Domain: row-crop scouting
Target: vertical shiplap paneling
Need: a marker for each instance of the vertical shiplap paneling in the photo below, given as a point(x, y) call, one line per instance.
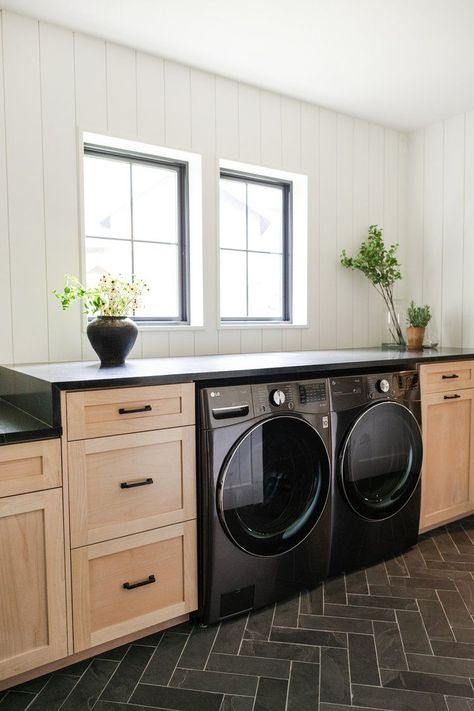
point(376, 216)
point(6, 345)
point(150, 99)
point(181, 343)
point(60, 185)
point(156, 344)
point(90, 83)
point(227, 118)
point(177, 106)
point(453, 225)
point(328, 257)
point(413, 267)
point(291, 133)
point(271, 340)
point(270, 129)
point(468, 250)
point(249, 124)
point(251, 340)
point(25, 181)
point(310, 167)
point(360, 217)
point(390, 211)
point(229, 341)
point(344, 168)
point(121, 90)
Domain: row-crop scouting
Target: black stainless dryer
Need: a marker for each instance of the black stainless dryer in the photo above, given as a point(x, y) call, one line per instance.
point(264, 486)
point(377, 454)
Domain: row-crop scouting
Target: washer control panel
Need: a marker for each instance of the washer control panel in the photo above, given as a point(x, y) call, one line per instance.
point(309, 396)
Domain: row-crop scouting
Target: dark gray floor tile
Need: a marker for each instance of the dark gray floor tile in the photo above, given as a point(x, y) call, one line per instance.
point(466, 590)
point(341, 707)
point(432, 683)
point(428, 548)
point(259, 624)
point(435, 620)
point(450, 566)
point(229, 636)
point(183, 628)
point(117, 706)
point(377, 574)
point(356, 582)
point(460, 650)
point(127, 674)
point(312, 601)
point(304, 636)
point(164, 659)
point(413, 632)
point(286, 612)
point(252, 665)
point(461, 634)
point(179, 699)
point(335, 624)
point(281, 650)
point(199, 646)
point(414, 561)
point(90, 686)
point(34, 686)
point(440, 665)
point(54, 693)
point(116, 654)
point(458, 704)
point(237, 703)
point(396, 566)
point(386, 602)
point(303, 688)
point(389, 646)
point(460, 538)
point(360, 612)
point(76, 669)
point(335, 591)
point(396, 699)
point(335, 686)
point(271, 695)
point(460, 557)
point(423, 581)
point(151, 640)
point(403, 591)
point(443, 540)
point(222, 682)
point(455, 609)
point(363, 660)
point(16, 701)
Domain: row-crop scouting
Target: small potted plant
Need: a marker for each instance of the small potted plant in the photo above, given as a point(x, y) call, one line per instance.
point(111, 333)
point(418, 317)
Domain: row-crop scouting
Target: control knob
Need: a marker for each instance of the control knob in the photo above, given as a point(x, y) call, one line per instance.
point(277, 397)
point(383, 386)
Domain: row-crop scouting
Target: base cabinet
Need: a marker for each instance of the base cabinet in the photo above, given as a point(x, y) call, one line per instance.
point(33, 600)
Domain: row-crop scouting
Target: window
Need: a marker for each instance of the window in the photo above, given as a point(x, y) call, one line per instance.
point(255, 247)
point(136, 222)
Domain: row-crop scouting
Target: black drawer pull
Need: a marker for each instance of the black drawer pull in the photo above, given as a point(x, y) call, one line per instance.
point(131, 411)
point(450, 377)
point(131, 586)
point(451, 397)
point(132, 484)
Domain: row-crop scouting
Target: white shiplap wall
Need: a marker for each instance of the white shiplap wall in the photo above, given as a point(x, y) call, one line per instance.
point(54, 80)
point(441, 225)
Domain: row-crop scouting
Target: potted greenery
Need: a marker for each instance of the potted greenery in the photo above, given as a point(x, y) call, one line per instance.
point(381, 267)
point(418, 317)
point(111, 333)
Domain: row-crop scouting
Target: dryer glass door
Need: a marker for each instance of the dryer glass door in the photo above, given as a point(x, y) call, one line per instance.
point(380, 461)
point(274, 485)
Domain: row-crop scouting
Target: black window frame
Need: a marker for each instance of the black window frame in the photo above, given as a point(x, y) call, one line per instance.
point(182, 171)
point(287, 253)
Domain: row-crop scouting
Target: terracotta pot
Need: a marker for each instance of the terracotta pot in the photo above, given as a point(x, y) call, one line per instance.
point(415, 338)
point(112, 338)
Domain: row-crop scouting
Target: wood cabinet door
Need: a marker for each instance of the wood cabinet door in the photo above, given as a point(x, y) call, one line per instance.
point(448, 462)
point(30, 466)
point(32, 600)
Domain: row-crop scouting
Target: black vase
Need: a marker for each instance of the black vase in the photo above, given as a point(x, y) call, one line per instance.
point(112, 338)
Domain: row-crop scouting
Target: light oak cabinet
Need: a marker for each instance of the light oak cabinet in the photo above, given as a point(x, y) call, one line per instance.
point(448, 439)
point(33, 597)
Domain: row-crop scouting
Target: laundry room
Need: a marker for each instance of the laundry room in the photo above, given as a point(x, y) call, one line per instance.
point(237, 355)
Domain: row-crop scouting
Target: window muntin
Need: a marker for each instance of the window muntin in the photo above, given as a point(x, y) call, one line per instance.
point(136, 223)
point(255, 248)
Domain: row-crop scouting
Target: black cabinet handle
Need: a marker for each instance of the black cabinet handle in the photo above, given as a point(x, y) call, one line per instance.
point(132, 484)
point(449, 377)
point(131, 586)
point(131, 411)
point(451, 397)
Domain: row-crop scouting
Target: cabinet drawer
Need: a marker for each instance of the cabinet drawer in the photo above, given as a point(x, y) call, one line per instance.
point(98, 413)
point(32, 466)
point(131, 483)
point(441, 377)
point(132, 583)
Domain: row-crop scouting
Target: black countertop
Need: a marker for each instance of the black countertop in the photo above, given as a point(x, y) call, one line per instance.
point(29, 394)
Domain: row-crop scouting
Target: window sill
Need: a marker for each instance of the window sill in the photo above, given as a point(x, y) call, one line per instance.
point(261, 325)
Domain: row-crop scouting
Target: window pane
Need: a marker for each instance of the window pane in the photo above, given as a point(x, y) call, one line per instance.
point(157, 265)
point(155, 203)
point(233, 284)
point(265, 285)
point(107, 197)
point(265, 218)
point(107, 255)
point(233, 220)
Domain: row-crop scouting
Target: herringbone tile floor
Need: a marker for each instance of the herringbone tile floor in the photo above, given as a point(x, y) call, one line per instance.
point(399, 636)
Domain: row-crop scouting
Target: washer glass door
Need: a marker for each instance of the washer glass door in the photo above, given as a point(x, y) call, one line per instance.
point(381, 458)
point(273, 486)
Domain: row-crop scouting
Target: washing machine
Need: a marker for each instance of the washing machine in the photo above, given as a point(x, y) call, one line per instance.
point(264, 481)
point(376, 459)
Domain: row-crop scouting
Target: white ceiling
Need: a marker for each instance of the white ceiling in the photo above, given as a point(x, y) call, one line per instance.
point(403, 63)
